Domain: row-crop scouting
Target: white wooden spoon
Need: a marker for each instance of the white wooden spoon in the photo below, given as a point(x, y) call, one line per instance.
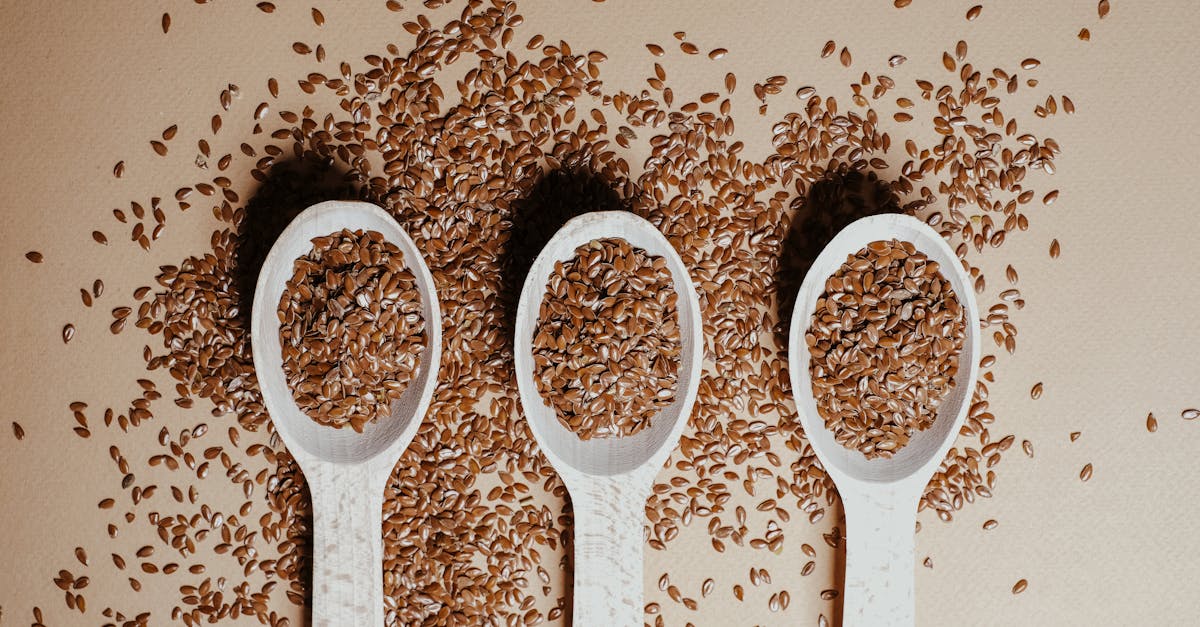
point(609, 479)
point(346, 471)
point(880, 496)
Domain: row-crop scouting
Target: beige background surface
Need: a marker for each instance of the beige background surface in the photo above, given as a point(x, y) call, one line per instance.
point(1110, 327)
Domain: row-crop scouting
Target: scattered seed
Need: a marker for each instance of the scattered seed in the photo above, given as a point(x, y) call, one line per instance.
point(68, 332)
point(717, 53)
point(1151, 423)
point(1020, 586)
point(18, 431)
point(844, 55)
point(1029, 64)
point(1086, 473)
point(1036, 392)
point(1190, 414)
point(656, 50)
point(193, 309)
point(1103, 8)
point(166, 22)
point(34, 256)
point(973, 12)
point(1055, 250)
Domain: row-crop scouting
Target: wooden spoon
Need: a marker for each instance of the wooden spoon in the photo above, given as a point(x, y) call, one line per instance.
point(609, 479)
point(346, 471)
point(880, 495)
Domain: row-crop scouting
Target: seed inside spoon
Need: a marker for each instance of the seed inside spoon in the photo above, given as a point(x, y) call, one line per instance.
point(884, 339)
point(606, 346)
point(350, 328)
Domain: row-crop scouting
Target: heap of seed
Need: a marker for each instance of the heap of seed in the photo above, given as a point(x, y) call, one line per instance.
point(350, 328)
point(476, 525)
point(884, 339)
point(606, 346)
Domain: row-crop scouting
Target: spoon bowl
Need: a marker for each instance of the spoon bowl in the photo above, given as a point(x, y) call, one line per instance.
point(880, 495)
point(609, 479)
point(346, 471)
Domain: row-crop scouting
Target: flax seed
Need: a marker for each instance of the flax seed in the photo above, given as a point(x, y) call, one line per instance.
point(906, 288)
point(607, 280)
point(350, 329)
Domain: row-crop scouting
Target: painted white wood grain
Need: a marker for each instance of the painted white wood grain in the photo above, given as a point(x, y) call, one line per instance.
point(347, 545)
point(880, 495)
point(608, 479)
point(346, 471)
point(879, 588)
point(609, 518)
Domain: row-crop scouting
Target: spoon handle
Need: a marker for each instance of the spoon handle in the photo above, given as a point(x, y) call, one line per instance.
point(608, 554)
point(879, 558)
point(347, 546)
